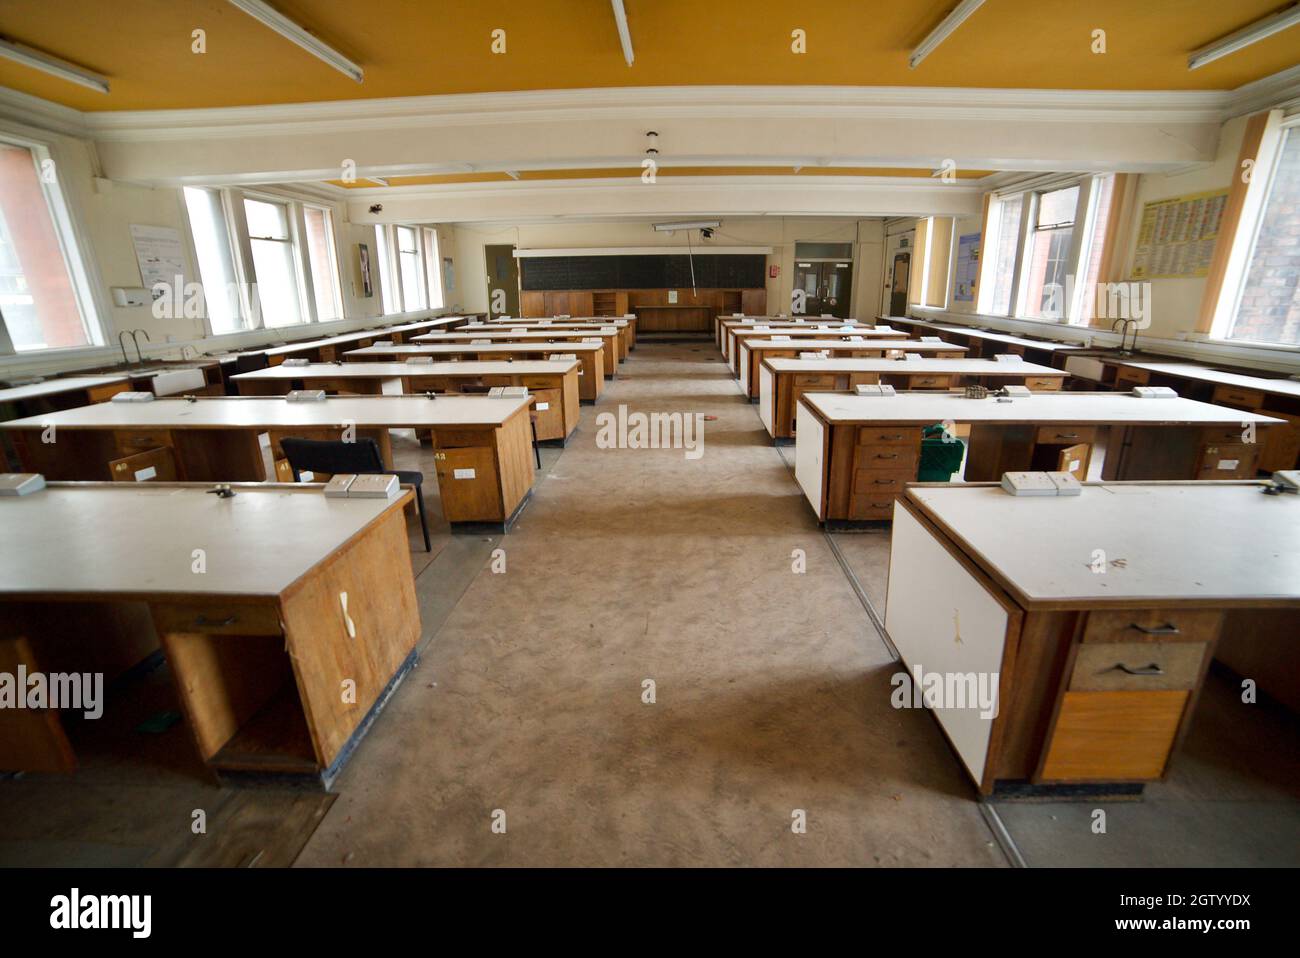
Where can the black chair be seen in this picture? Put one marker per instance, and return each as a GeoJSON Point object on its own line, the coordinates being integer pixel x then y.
{"type": "Point", "coordinates": [251, 362]}
{"type": "Point", "coordinates": [360, 458]}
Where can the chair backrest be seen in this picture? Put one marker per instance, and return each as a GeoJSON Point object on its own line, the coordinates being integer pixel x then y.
{"type": "Point", "coordinates": [332, 456]}
{"type": "Point", "coordinates": [247, 363]}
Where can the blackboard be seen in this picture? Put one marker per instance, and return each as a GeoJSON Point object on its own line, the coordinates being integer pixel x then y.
{"type": "Point", "coordinates": [651, 271]}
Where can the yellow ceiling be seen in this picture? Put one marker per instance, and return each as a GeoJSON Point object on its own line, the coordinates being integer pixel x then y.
{"type": "Point", "coordinates": [415, 47]}
{"type": "Point", "coordinates": [630, 173]}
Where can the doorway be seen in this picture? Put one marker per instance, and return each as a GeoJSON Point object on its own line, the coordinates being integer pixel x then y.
{"type": "Point", "coordinates": [502, 280]}
{"type": "Point", "coordinates": [827, 286]}
{"type": "Point", "coordinates": [898, 285]}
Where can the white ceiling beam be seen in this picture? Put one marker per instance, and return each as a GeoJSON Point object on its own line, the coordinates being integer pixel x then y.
{"type": "Point", "coordinates": [945, 28]}
{"type": "Point", "coordinates": [267, 15]}
{"type": "Point", "coordinates": [54, 66]}
{"type": "Point", "coordinates": [1240, 39]}
{"type": "Point", "coordinates": [624, 34]}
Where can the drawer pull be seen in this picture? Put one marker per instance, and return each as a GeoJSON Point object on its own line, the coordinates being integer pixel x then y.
{"type": "Point", "coordinates": [881, 455]}
{"type": "Point", "coordinates": [204, 620]}
{"type": "Point", "coordinates": [896, 436]}
{"type": "Point", "coordinates": [1067, 435]}
{"type": "Point", "coordinates": [1167, 629]}
{"type": "Point", "coordinates": [1151, 669]}
{"type": "Point", "coordinates": [885, 482]}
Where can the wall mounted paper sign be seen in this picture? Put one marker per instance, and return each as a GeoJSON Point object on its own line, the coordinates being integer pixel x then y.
{"type": "Point", "coordinates": [161, 257]}
{"type": "Point", "coordinates": [968, 268]}
{"type": "Point", "coordinates": [1176, 236]}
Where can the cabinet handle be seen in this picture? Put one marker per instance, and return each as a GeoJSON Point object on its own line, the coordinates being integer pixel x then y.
{"type": "Point", "coordinates": [1067, 435]}
{"type": "Point", "coordinates": [881, 455]}
{"type": "Point", "coordinates": [885, 482]}
{"type": "Point", "coordinates": [898, 436]}
{"type": "Point", "coordinates": [1167, 629]}
{"type": "Point", "coordinates": [1151, 669]}
{"type": "Point", "coordinates": [203, 620]}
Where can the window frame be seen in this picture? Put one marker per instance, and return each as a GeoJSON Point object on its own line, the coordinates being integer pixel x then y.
{"type": "Point", "coordinates": [74, 245]}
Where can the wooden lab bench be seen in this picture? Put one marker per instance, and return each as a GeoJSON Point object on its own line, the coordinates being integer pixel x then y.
{"type": "Point", "coordinates": [1271, 397]}
{"type": "Point", "coordinates": [752, 352]}
{"type": "Point", "coordinates": [483, 444]}
{"type": "Point", "coordinates": [33, 399]}
{"type": "Point", "coordinates": [605, 335]}
{"type": "Point", "coordinates": [626, 329]}
{"type": "Point", "coordinates": [720, 319]}
{"type": "Point", "coordinates": [854, 454]}
{"type": "Point", "coordinates": [297, 595]}
{"type": "Point", "coordinates": [552, 383]}
{"type": "Point", "coordinates": [330, 348]}
{"type": "Point", "coordinates": [733, 335]}
{"type": "Point", "coordinates": [591, 357]}
{"type": "Point", "coordinates": [782, 381]}
{"type": "Point", "coordinates": [1095, 616]}
{"type": "Point", "coordinates": [985, 342]}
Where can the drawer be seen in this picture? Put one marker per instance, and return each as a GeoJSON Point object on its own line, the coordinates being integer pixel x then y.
{"type": "Point", "coordinates": [1219, 435]}
{"type": "Point", "coordinates": [889, 436]}
{"type": "Point", "coordinates": [928, 381]}
{"type": "Point", "coordinates": [878, 483]}
{"type": "Point", "coordinates": [807, 381]}
{"type": "Point", "coordinates": [216, 619]}
{"type": "Point", "coordinates": [461, 438]}
{"type": "Point", "coordinates": [467, 484]}
{"type": "Point", "coordinates": [1132, 377]}
{"type": "Point", "coordinates": [1236, 461]}
{"type": "Point", "coordinates": [1043, 382]}
{"type": "Point", "coordinates": [1234, 396]}
{"type": "Point", "coordinates": [152, 465]}
{"type": "Point", "coordinates": [871, 507]}
{"type": "Point", "coordinates": [887, 459]}
{"type": "Point", "coordinates": [1113, 736]}
{"type": "Point", "coordinates": [1152, 625]}
{"type": "Point", "coordinates": [133, 440]}
{"type": "Point", "coordinates": [1150, 666]}
{"type": "Point", "coordinates": [1065, 435]}
{"type": "Point", "coordinates": [540, 382]}
{"type": "Point", "coordinates": [549, 413]}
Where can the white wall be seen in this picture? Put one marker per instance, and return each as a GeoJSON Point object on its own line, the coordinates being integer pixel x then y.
{"type": "Point", "coordinates": [779, 233]}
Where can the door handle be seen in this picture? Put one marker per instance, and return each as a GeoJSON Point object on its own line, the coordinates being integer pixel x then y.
{"type": "Point", "coordinates": [1167, 629]}
{"type": "Point", "coordinates": [1151, 669]}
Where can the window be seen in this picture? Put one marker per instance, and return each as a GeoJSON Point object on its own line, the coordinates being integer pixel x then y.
{"type": "Point", "coordinates": [392, 301]}
{"type": "Point", "coordinates": [213, 250]}
{"type": "Point", "coordinates": [274, 262]}
{"type": "Point", "coordinates": [1047, 254]}
{"type": "Point", "coordinates": [1268, 308]}
{"type": "Point", "coordinates": [433, 269]}
{"type": "Point", "coordinates": [410, 269]}
{"type": "Point", "coordinates": [323, 260]}
{"type": "Point", "coordinates": [934, 240]}
{"type": "Point", "coordinates": [1005, 230]}
{"type": "Point", "coordinates": [44, 296]}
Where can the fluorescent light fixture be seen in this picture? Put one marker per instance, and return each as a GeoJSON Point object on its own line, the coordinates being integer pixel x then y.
{"type": "Point", "coordinates": [624, 35]}
{"type": "Point", "coordinates": [1244, 37]}
{"type": "Point", "coordinates": [277, 21]}
{"type": "Point", "coordinates": [940, 33]}
{"type": "Point", "coordinates": [690, 225]}
{"type": "Point", "coordinates": [29, 57]}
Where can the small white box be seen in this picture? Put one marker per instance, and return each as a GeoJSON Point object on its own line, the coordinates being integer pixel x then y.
{"type": "Point", "coordinates": [417, 360]}
{"type": "Point", "coordinates": [814, 355]}
{"type": "Point", "coordinates": [1009, 358]}
{"type": "Point", "coordinates": [133, 397]}
{"type": "Point", "coordinates": [1066, 484]}
{"type": "Point", "coordinates": [1019, 391]}
{"type": "Point", "coordinates": [373, 487]}
{"type": "Point", "coordinates": [563, 357]}
{"type": "Point", "coordinates": [20, 483]}
{"type": "Point", "coordinates": [873, 389]}
{"type": "Point", "coordinates": [1028, 484]}
{"type": "Point", "coordinates": [296, 362]}
{"type": "Point", "coordinates": [305, 395]}
{"type": "Point", "coordinates": [337, 487]}
{"type": "Point", "coordinates": [931, 339]}
{"type": "Point", "coordinates": [1154, 392]}
{"type": "Point", "coordinates": [912, 357]}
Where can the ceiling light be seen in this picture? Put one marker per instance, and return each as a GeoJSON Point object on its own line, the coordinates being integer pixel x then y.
{"type": "Point", "coordinates": [940, 33]}
{"type": "Point", "coordinates": [624, 35]}
{"type": "Point", "coordinates": [277, 21]}
{"type": "Point", "coordinates": [691, 225]}
{"type": "Point", "coordinates": [1244, 37]}
{"type": "Point", "coordinates": [29, 57]}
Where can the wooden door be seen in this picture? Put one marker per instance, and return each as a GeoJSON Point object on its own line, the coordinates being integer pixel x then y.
{"type": "Point", "coordinates": [502, 280]}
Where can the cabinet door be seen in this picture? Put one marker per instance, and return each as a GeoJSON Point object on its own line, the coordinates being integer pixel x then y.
{"type": "Point", "coordinates": [1113, 736]}
{"type": "Point", "coordinates": [467, 484]}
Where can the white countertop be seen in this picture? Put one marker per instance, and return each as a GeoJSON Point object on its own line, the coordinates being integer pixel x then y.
{"type": "Point", "coordinates": [53, 387]}
{"type": "Point", "coordinates": [926, 364]}
{"type": "Point", "coordinates": [813, 344]}
{"type": "Point", "coordinates": [351, 370]}
{"type": "Point", "coordinates": [1282, 387]}
{"type": "Point", "coordinates": [428, 349]}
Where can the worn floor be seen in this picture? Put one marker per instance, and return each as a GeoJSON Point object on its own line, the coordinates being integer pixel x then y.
{"type": "Point", "coordinates": [530, 708]}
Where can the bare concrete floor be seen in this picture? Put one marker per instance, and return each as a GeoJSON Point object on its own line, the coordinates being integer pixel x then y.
{"type": "Point", "coordinates": [771, 687]}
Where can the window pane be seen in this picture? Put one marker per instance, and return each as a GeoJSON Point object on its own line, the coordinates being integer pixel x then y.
{"type": "Point", "coordinates": [385, 270]}
{"type": "Point", "coordinates": [1057, 207]}
{"type": "Point", "coordinates": [408, 257]}
{"type": "Point", "coordinates": [324, 263]}
{"type": "Point", "coordinates": [216, 264]}
{"type": "Point", "coordinates": [1005, 263]}
{"type": "Point", "coordinates": [269, 220]}
{"type": "Point", "coordinates": [1100, 224]}
{"type": "Point", "coordinates": [433, 269]}
{"type": "Point", "coordinates": [1045, 290]}
{"type": "Point", "coordinates": [1269, 311]}
{"type": "Point", "coordinates": [38, 301]}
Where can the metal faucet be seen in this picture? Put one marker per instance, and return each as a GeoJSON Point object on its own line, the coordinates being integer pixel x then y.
{"type": "Point", "coordinates": [138, 354]}
{"type": "Point", "coordinates": [1127, 324]}
{"type": "Point", "coordinates": [122, 346]}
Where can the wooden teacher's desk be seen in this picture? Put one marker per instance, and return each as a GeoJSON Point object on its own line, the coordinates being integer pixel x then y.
{"type": "Point", "coordinates": [552, 383]}
{"type": "Point", "coordinates": [482, 444]}
{"type": "Point", "coordinates": [1094, 616]}
{"type": "Point", "coordinates": [854, 454]}
{"type": "Point", "coordinates": [751, 353]}
{"type": "Point", "coordinates": [782, 381]}
{"type": "Point", "coordinates": [287, 618]}
{"type": "Point", "coordinates": [591, 356]}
